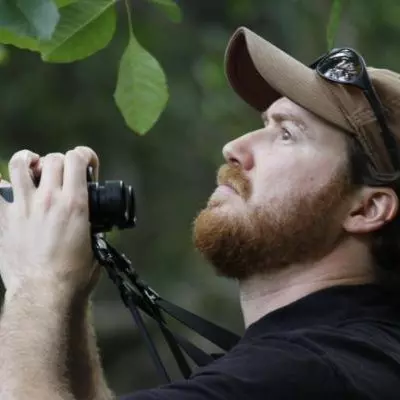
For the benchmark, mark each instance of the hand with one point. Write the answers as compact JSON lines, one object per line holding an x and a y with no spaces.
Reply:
{"x":45,"y":233}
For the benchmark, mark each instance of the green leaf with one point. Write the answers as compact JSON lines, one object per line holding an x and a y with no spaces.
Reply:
{"x":85,"y":27}
{"x":333,"y":24}
{"x":63,"y":3}
{"x":141,"y":93}
{"x":12,"y":19}
{"x":22,"y":42}
{"x":170,"y":8}
{"x":3,"y":55}
{"x":41,"y":15}
{"x":31,"y":18}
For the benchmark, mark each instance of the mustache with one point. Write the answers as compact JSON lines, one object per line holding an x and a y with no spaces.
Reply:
{"x":233,"y":176}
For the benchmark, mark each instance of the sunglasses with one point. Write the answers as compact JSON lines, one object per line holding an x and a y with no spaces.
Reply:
{"x":345,"y":66}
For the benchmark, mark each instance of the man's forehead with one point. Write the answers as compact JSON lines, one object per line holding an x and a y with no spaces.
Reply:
{"x":286,"y":109}
{"x":285,"y":105}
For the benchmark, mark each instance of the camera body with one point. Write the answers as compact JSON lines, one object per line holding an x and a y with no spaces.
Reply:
{"x":110,"y":205}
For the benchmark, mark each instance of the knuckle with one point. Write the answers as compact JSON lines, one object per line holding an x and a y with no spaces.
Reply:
{"x":15,"y":162}
{"x":89,"y":154}
{"x":21,"y":158}
{"x":54,"y":158}
{"x":72,"y":155}
{"x":85,"y":149}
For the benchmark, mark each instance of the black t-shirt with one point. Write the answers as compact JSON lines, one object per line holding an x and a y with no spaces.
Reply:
{"x":338,"y":343}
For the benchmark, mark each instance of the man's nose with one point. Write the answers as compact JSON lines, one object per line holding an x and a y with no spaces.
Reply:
{"x":239,"y":152}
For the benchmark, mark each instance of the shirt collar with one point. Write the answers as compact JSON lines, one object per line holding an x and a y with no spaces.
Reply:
{"x":327,"y":307}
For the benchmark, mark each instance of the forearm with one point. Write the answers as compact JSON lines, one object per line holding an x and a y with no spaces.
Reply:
{"x":84,"y":365}
{"x":48,"y":349}
{"x":33,"y":347}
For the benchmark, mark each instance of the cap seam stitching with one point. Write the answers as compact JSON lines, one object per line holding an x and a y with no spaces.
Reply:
{"x":359,"y":134}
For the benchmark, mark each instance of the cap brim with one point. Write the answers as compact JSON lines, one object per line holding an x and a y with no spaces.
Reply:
{"x":261,"y":73}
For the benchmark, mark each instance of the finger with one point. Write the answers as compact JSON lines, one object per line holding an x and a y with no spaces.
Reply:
{"x":52,"y":171}
{"x":3,"y":182}
{"x":75,"y":166}
{"x":91,"y":158}
{"x":21,"y":176}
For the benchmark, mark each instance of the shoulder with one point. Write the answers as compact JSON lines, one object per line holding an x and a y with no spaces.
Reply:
{"x":277,"y":357}
{"x":364,"y":352}
{"x":279,"y":367}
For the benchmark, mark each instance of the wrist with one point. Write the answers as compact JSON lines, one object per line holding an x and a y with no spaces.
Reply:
{"x":43,"y":294}
{"x":52,"y":288}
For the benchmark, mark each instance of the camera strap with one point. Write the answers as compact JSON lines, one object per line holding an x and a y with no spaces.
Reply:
{"x":139,"y":297}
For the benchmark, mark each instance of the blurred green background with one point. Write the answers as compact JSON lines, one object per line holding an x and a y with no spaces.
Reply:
{"x":47,"y":108}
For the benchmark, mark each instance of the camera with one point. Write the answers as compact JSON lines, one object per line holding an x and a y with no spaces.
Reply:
{"x":110,"y":205}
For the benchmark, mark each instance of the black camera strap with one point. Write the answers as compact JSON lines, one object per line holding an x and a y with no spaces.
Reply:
{"x":138,"y":296}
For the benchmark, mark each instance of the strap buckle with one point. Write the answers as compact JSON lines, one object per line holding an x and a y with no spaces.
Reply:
{"x":137,"y":294}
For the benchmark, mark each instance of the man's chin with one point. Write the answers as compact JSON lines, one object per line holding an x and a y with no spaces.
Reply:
{"x":208,"y":226}
{"x":216,"y":231}
{"x":208,"y":220}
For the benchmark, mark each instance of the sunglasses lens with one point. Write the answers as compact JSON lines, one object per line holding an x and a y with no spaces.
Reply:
{"x":343,"y":66}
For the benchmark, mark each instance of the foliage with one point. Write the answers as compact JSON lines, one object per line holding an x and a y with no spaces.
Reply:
{"x":64,"y":31}
{"x":33,"y":18}
{"x":334,"y":20}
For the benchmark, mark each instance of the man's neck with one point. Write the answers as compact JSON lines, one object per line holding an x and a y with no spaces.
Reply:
{"x":261,"y":295}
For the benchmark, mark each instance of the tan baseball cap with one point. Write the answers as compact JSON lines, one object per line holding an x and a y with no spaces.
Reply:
{"x":261,"y":73}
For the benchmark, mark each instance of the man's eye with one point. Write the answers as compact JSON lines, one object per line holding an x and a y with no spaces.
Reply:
{"x":286,"y":135}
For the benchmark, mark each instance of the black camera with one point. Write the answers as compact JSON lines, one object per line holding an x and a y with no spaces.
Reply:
{"x":110,"y":205}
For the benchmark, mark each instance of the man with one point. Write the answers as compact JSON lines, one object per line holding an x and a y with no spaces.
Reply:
{"x":304,"y":217}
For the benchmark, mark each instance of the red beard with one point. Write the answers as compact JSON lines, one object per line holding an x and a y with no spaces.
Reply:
{"x":302,"y":229}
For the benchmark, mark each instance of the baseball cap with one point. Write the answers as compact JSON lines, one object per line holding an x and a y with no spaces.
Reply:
{"x":260,"y":73}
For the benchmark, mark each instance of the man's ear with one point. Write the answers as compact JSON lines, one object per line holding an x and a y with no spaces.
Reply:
{"x":370,"y":209}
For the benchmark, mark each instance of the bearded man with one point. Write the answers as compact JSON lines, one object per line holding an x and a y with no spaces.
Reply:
{"x":305,"y":218}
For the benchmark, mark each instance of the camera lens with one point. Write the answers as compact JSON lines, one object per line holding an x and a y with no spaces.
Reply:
{"x":110,"y":205}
